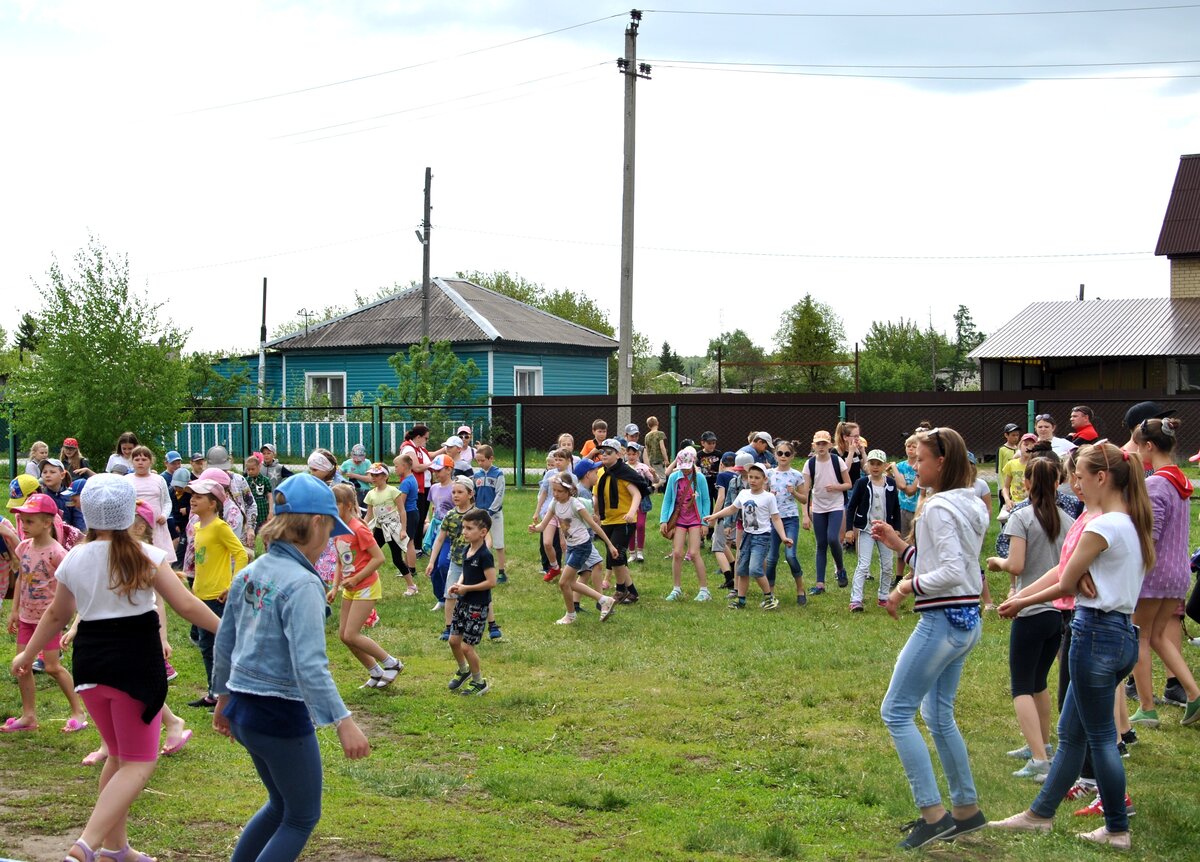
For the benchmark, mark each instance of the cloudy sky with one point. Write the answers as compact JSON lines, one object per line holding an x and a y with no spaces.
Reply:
{"x":892,"y":165}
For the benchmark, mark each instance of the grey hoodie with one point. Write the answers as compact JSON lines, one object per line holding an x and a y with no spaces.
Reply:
{"x":950,"y":533}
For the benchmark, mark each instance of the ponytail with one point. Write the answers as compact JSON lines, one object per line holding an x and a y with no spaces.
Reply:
{"x":1043,"y":476}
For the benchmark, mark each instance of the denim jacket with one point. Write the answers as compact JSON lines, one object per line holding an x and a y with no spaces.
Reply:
{"x":272,"y":635}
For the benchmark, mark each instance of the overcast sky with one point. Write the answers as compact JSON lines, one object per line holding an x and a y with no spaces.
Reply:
{"x":162,"y":129}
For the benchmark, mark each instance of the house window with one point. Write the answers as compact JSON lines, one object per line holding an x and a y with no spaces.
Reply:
{"x":1189,"y":375}
{"x":527,"y":380}
{"x":332,"y":386}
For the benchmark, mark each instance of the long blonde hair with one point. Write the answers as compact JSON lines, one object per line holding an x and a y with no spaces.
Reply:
{"x":1127,"y":474}
{"x":129,"y":569}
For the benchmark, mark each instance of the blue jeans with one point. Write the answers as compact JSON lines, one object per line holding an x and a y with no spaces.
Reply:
{"x":290,"y":769}
{"x":791,"y":526}
{"x":1104,"y":649}
{"x":752,"y":553}
{"x":208,"y":640}
{"x":827,"y":527}
{"x":926,"y":675}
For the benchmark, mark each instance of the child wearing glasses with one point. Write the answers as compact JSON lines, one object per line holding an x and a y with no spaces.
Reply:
{"x":787,"y":483}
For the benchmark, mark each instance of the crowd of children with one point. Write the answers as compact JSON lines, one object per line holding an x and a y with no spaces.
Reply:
{"x":1079,"y":579}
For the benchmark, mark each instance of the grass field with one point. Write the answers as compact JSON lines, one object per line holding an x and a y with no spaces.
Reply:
{"x":673,"y":732}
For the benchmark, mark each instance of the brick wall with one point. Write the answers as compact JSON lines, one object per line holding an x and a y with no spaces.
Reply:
{"x":1185,"y":278}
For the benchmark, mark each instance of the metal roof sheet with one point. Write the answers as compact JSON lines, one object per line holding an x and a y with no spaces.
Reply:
{"x":1156,"y":326}
{"x":1180,"y":233}
{"x":459,"y":312}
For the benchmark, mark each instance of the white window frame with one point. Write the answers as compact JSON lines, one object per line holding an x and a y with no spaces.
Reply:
{"x":310,"y":376}
{"x":540,"y":377}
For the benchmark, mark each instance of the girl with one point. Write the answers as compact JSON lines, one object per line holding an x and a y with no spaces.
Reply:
{"x":321,"y":465}
{"x":1168,"y":581}
{"x":112,"y":581}
{"x":38,"y":558}
{"x":946,"y":582}
{"x":386,"y":522}
{"x":446,"y":555}
{"x":441,"y":475}
{"x":120,"y":461}
{"x":1012,"y":483}
{"x":38,"y":453}
{"x":633,"y":457}
{"x":874,"y":498}
{"x":272,"y":672}
{"x":78,"y":466}
{"x":1105,"y":574}
{"x":760,"y":514}
{"x":1037,"y":533}
{"x":359,"y":559}
{"x":415,"y":441}
{"x":406,"y":503}
{"x":551,"y":546}
{"x":829,"y":478}
{"x":577,"y":525}
{"x":787,"y":483}
{"x":685,"y":506}
{"x":1044,"y":425}
{"x":150,"y":487}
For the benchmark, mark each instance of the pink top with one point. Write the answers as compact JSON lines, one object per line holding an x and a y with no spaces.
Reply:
{"x":153,"y":491}
{"x":685,"y":501}
{"x":1067,"y":603}
{"x":37,"y":584}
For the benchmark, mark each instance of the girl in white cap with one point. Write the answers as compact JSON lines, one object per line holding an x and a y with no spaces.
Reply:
{"x":685,"y":506}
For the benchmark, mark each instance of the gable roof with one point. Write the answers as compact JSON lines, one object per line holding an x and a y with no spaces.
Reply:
{"x":459,"y":312}
{"x":1180,"y":233}
{"x":1156,"y":326}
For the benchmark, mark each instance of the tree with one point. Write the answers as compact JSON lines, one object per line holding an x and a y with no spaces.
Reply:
{"x":736,"y":347}
{"x":669,"y":360}
{"x":966,"y":339}
{"x":208,"y":387}
{"x":27,"y":336}
{"x":329,"y":312}
{"x":899,"y":357}
{"x":812,"y":332}
{"x":431,"y":375}
{"x":108,"y":359}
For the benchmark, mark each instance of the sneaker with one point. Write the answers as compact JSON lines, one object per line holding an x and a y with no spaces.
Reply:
{"x":882,"y":603}
{"x":769,"y":604}
{"x":494,"y":632}
{"x":372,"y":619}
{"x":1023,"y":822}
{"x":1148,"y":717}
{"x":1033,"y":768}
{"x":922,"y":833}
{"x":802,"y":599}
{"x":1174,"y":695}
{"x":456,"y":681}
{"x":1122,"y":749}
{"x":1130,"y":689}
{"x":205,"y":702}
{"x":172,"y":674}
{"x":1129,"y":737}
{"x":565,"y":620}
{"x":1191,"y":714}
{"x":501,"y":578}
{"x":1097,"y":807}
{"x":480,"y":687}
{"x":870,"y":577}
{"x":445,"y":635}
{"x":856,"y":607}
{"x":1023,"y":753}
{"x":606,"y":608}
{"x":965,"y":827}
{"x":675,"y":595}
{"x":551,"y":573}
{"x":1119,"y":840}
{"x":38,"y":665}
{"x":1080,"y":790}
{"x":639,"y":557}
{"x":412,"y":591}
{"x":818,"y":590}
{"x":841,"y":578}
{"x":703,"y":596}
{"x":736,"y":604}
{"x":438,"y":606}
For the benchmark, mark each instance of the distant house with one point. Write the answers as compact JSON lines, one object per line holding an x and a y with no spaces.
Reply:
{"x":1151,"y":343}
{"x":519,"y":349}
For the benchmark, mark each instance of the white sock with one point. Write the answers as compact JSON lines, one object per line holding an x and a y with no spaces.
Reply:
{"x":463,"y":667}
{"x":390,"y":662}
{"x":376,"y":671}
{"x":477,"y":677}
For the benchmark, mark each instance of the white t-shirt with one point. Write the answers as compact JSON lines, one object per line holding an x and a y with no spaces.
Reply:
{"x":757,"y":510}
{"x":823,"y":474}
{"x":878,"y":510}
{"x":84,"y":571}
{"x":115,"y":460}
{"x":780,"y":481}
{"x":574,"y":529}
{"x":982,"y":488}
{"x":1118,"y":570}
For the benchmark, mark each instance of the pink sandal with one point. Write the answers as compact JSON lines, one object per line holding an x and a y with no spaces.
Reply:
{"x":14,"y":725}
{"x":89,"y":855}
{"x":126,"y":854}
{"x":74,"y":725}
{"x":176,"y":746}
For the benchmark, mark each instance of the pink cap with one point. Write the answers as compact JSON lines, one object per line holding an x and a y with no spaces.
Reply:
{"x":37,"y":504}
{"x":208,"y":486}
{"x":215,"y":474}
{"x":145,"y":512}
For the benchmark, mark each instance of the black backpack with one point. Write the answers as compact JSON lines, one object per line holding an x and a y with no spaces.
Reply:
{"x":810,"y":467}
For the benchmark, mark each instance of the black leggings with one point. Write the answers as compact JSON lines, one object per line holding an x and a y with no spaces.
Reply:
{"x":1033,"y":643}
{"x":1064,"y":680}
{"x":397,"y":552}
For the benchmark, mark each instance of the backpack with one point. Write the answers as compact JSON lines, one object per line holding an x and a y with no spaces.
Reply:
{"x":811,"y":468}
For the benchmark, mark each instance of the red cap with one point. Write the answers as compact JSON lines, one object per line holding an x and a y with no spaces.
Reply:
{"x":72,"y":442}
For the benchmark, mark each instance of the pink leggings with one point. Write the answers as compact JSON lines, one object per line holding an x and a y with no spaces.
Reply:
{"x":639,"y":540}
{"x":118,"y":717}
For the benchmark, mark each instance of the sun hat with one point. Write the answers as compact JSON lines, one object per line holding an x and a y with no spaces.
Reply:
{"x":70,"y":443}
{"x":173,"y":456}
{"x":454,"y":440}
{"x":181,"y":477}
{"x":631,"y":429}
{"x":208,"y":486}
{"x":20,"y":488}
{"x":584,"y":467}
{"x":213,"y":474}
{"x":377,"y":468}
{"x":143,"y":511}
{"x":742,"y":460}
{"x":305,"y":494}
{"x":463,"y":429}
{"x":686,"y":459}
{"x":38,"y":504}
{"x":218,"y":456}
{"x":822,"y":437}
{"x":877,"y":455}
{"x":108,"y":502}
{"x":612,"y":443}
{"x":358,"y":450}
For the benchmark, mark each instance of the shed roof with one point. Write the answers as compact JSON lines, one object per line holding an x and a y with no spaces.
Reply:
{"x":1180,"y":234}
{"x":459,"y":312}
{"x":1157,"y":326}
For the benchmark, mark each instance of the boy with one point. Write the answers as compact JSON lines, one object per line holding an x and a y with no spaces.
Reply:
{"x":599,"y":435}
{"x":618,"y":495}
{"x":473,"y":590}
{"x":874,"y":498}
{"x":489,"y":496}
{"x":760,"y":513}
{"x":722,"y":533}
{"x":275,"y":470}
{"x":656,"y":449}
{"x":260,"y":487}
{"x":1008,"y":451}
{"x":708,"y":460}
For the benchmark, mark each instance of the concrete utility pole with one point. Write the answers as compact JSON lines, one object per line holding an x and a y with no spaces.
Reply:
{"x":262,"y":351}
{"x":628,"y":67}
{"x":425,"y":257}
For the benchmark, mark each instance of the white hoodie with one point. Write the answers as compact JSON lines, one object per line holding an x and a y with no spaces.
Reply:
{"x":950,"y":533}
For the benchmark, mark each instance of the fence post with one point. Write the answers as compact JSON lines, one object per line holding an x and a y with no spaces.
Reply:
{"x":10,"y":410}
{"x":674,"y":429}
{"x":246,"y":447}
{"x":1030,"y":412}
{"x":519,"y":455}
{"x":377,"y":431}
{"x":841,"y":411}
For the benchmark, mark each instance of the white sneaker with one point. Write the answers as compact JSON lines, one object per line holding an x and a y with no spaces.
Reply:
{"x":703,"y":596}
{"x":439,"y":606}
{"x":675,"y":595}
{"x":639,"y":557}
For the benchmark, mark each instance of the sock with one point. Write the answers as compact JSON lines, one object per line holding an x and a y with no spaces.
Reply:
{"x":376,"y":671}
{"x":463,"y":667}
{"x":391,"y":662}
{"x":477,"y":677}
{"x":631,"y":589}
{"x":494,"y":624}
{"x":576,"y":607}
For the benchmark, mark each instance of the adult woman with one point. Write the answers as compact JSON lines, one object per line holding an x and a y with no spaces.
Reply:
{"x":415,"y":442}
{"x":119,"y":461}
{"x":1167,"y":583}
{"x":271,"y":672}
{"x":946,"y":582}
{"x":78,"y":466}
{"x":1044,"y":425}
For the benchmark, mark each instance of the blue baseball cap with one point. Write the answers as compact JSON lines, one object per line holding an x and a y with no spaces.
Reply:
{"x":173,"y":456}
{"x":305,"y":494}
{"x":75,"y":488}
{"x":583,"y":468}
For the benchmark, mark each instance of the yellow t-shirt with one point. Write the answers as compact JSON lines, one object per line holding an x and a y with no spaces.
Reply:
{"x":624,"y":500}
{"x":1016,"y":487}
{"x":218,"y":555}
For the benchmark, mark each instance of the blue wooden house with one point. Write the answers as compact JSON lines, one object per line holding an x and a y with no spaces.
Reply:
{"x":519,"y":349}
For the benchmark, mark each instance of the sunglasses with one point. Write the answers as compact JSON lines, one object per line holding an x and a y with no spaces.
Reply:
{"x":935,"y":434}
{"x":784,"y":453}
{"x":1044,"y":416}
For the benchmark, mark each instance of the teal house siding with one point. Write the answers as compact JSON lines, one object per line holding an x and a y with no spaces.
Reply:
{"x":562,"y":374}
{"x":365,"y":371}
{"x":273,"y":380}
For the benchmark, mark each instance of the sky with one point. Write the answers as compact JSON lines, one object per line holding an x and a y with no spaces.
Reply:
{"x":892,"y":166}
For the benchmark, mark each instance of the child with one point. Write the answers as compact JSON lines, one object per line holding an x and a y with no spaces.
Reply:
{"x":829,"y":478}
{"x":151,"y":488}
{"x":272,"y":466}
{"x":39,"y":557}
{"x":723,"y":530}
{"x":574,"y":520}
{"x":218,"y":554}
{"x":633,"y":457}
{"x":471,"y":594}
{"x":760,"y":513}
{"x":551,"y":547}
{"x":1008,"y":449}
{"x":54,"y":481}
{"x":787,"y":484}
{"x":72,"y":515}
{"x":355,"y":469}
{"x":441,"y":501}
{"x":406,"y":503}
{"x":38,"y":453}
{"x":874,"y":498}
{"x":386,"y":522}
{"x":1012,"y":483}
{"x":708,"y":461}
{"x":446,"y":556}
{"x":685,"y":506}
{"x":118,"y":663}
{"x":599,"y":435}
{"x":656,"y":449}
{"x":619,"y":492}
{"x":489,"y":496}
{"x":359,"y":559}
{"x":905,"y":475}
{"x":260,"y":486}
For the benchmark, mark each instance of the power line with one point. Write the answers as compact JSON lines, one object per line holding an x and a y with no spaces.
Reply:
{"x":929,"y":65}
{"x":1012,"y":14}
{"x":370,"y":75}
{"x":695,"y":68}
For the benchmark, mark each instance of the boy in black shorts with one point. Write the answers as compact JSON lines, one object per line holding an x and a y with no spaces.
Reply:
{"x":474,"y":592}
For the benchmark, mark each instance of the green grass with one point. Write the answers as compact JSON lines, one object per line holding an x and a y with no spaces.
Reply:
{"x":676,"y":731}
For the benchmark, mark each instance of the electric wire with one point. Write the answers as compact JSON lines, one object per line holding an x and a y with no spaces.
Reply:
{"x":994,"y":14}
{"x":923,"y":65}
{"x":879,"y":76}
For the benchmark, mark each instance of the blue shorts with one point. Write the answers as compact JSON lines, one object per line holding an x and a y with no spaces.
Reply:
{"x":578,"y":555}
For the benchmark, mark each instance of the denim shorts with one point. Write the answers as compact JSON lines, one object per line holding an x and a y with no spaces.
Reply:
{"x":577,"y":555}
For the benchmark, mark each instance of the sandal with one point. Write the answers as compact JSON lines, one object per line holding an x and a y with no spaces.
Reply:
{"x":74,"y":725}
{"x":14,"y":725}
{"x":176,"y":746}
{"x":89,"y":855}
{"x":125,"y":854}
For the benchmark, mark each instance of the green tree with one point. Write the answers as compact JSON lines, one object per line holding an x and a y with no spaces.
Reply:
{"x":736,"y":346}
{"x":27,"y":336}
{"x":208,"y":387}
{"x":108,"y":360}
{"x":898,"y":356}
{"x":966,"y":338}
{"x":669,"y":360}
{"x":431,"y":375}
{"x":811,"y":332}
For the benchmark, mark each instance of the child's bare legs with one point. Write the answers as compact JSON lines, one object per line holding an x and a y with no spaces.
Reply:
{"x":1154,"y":617}
{"x":350,"y":622}
{"x":451,"y":601}
{"x":464,"y":654}
{"x":121,"y":782}
{"x":172,"y":724}
{"x":28,"y":688}
{"x":62,"y":676}
{"x":548,"y":545}
{"x":570,"y":586}
{"x":1033,"y":717}
{"x":693,"y":542}
{"x":677,"y":543}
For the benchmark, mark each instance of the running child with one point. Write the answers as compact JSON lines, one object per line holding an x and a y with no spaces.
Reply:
{"x":637,"y":545}
{"x":359,"y":559}
{"x":406,"y":503}
{"x":489,"y":496}
{"x":685,"y":506}
{"x":472,"y":596}
{"x":874,"y":498}
{"x":788,"y":485}
{"x":760,"y":514}
{"x":829,"y":478}
{"x":386,"y":521}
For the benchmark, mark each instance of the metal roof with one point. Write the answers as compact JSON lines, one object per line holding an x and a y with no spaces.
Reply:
{"x":459,"y":312}
{"x":1156,"y":326}
{"x":1180,"y":233}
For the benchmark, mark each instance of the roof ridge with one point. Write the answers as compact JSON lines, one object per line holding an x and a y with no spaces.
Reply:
{"x":534,"y":308}
{"x":469,"y":310}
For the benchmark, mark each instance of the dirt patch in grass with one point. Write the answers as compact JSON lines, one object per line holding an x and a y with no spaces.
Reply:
{"x":35,"y":847}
